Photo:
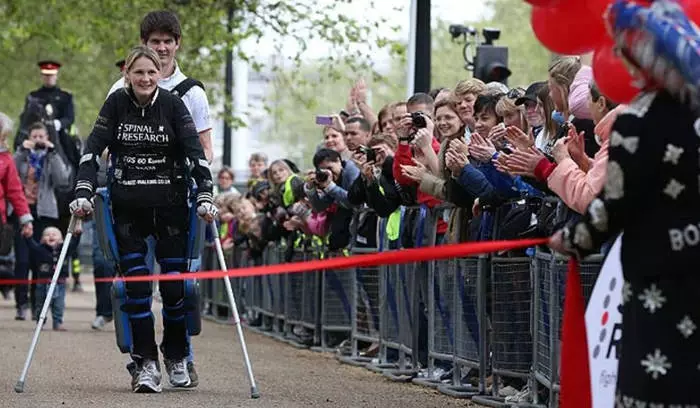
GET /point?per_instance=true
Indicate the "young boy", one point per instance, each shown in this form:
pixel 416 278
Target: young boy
pixel 45 255
pixel 257 165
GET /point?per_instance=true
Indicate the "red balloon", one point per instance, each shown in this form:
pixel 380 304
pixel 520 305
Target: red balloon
pixel 543 3
pixel 692 10
pixel 611 75
pixel 569 29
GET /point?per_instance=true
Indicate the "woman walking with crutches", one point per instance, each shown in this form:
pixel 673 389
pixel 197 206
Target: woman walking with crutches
pixel 155 151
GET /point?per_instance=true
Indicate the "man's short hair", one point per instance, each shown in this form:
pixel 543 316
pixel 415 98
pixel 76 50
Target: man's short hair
pixel 325 155
pixel 472 86
pixel 37 125
pixel 162 21
pixel 364 124
pixel 258 157
pixel 420 98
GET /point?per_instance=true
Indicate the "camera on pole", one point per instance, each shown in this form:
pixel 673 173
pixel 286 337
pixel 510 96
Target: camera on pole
pixel 490 64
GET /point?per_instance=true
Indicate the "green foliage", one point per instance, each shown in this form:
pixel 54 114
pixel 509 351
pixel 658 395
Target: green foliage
pixel 89 36
pixel 296 96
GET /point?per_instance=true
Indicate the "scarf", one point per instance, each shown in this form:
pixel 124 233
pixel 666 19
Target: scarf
pixel 36 160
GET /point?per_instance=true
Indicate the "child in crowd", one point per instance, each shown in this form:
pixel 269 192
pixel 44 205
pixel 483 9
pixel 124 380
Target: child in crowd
pixel 45 254
pixel 258 166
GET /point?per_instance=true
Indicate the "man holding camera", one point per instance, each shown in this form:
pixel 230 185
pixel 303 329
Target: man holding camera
pixel 376 188
pixel 327 189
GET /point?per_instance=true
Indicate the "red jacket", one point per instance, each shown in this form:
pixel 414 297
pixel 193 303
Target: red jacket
pixel 403 157
pixel 11 190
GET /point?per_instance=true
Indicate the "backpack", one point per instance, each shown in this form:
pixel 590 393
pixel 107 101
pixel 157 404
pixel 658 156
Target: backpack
pixel 183 87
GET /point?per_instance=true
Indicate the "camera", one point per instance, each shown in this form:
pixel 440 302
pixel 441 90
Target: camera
pixel 40 145
pixel 368 152
pixel 491 35
pixel 418 120
pixel 457 29
pixel 321 176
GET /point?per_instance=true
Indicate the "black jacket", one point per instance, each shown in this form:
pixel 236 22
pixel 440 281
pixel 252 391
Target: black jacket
pixel 45 257
pixel 364 192
pixel 152 148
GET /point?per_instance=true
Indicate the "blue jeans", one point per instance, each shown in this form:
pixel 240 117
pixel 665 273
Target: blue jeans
pixel 58 301
pixel 101 269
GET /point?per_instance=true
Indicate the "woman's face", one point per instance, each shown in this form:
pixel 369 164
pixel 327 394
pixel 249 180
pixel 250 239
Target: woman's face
pixel 465 107
pixel 513 118
pixel 597 109
pixel 447 122
pixel 143 77
pixel 386 123
pixel 334 140
pixel 278 173
pixel 225 180
pixel 534 112
pixel 485 121
pixel 556 92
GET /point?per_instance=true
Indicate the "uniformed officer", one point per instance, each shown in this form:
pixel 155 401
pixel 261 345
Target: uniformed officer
pixel 51 105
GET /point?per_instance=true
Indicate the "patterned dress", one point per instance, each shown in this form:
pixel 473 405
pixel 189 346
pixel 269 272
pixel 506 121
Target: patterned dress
pixel 652 193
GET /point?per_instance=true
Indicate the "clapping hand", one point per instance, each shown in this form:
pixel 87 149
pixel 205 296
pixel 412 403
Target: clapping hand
pixel 524 162
pixel 416 172
pixel 481 149
pixel 518 138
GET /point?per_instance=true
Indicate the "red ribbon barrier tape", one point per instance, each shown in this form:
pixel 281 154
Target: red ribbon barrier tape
pixel 343 262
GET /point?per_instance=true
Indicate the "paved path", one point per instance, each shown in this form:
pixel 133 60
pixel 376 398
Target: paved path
pixel 82 368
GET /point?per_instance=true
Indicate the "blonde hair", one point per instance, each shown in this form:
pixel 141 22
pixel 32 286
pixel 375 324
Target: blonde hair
pixel 278 162
pixel 5 128
pixel 469 86
pixel 136 53
pixel 338 125
pixel 564 70
pixel 506 105
pixel 52 229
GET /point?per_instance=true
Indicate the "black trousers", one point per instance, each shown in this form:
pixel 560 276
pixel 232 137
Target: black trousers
pixel 169 226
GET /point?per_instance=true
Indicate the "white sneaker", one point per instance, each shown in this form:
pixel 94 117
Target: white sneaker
pixel 522 396
pixel 177 372
pixel 100 322
pixel 507 391
pixel 148 380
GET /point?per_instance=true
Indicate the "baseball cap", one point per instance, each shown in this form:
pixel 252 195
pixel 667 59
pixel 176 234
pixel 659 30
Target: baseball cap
pixel 531 93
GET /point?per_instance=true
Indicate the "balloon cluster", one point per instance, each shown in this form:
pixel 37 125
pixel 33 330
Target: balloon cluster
pixel 574 27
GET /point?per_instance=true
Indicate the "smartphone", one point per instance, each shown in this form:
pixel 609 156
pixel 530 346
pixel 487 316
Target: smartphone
pixel 324 120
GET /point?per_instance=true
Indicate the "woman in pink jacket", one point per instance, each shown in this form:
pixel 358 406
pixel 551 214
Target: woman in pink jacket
pixel 576 178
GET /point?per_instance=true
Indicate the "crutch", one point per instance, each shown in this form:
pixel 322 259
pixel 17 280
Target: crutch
pixel 236 319
pixel 19 387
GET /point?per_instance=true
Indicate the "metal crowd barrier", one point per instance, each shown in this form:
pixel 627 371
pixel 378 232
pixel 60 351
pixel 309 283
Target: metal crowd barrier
pixel 487 316
pixel 470 347
pixel 550 280
pixel 336 306
pixel 365 308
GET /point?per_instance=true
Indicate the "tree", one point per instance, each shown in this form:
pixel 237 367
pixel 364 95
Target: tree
pixel 88 39
pixel 297 95
pixel 528 59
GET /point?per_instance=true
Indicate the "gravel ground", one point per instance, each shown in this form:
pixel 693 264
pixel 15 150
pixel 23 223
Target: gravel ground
pixel 82 368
